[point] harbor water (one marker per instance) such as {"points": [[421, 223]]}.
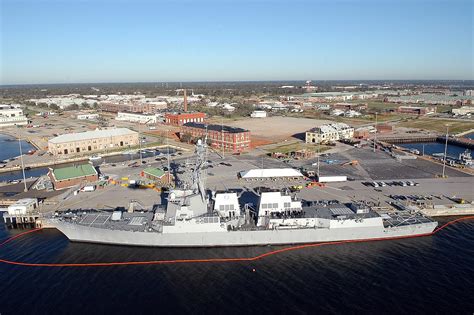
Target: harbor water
{"points": [[434, 147], [424, 275]]}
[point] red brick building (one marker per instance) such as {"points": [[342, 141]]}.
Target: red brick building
{"points": [[179, 119], [349, 106], [73, 175], [225, 138]]}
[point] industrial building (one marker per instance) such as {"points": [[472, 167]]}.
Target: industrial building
{"points": [[416, 110], [329, 133], [350, 106], [464, 110], [133, 107], [179, 119], [73, 175], [258, 114], [87, 116], [92, 141], [225, 138], [12, 115], [23, 206], [137, 117]]}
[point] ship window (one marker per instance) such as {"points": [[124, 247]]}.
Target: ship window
{"points": [[221, 207], [264, 206], [231, 207], [275, 205], [227, 207], [286, 204]]}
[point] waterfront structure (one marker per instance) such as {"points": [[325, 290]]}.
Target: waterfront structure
{"points": [[416, 110], [23, 206], [226, 138], [70, 176], [12, 115], [464, 110], [270, 173], [138, 117], [329, 132], [258, 114], [179, 119], [157, 175], [92, 141]]}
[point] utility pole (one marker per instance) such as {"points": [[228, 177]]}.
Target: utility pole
{"points": [[445, 150], [169, 170], [140, 143], [375, 135], [22, 165], [222, 137], [318, 160]]}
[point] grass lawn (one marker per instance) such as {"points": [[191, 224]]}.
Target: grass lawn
{"points": [[438, 125]]}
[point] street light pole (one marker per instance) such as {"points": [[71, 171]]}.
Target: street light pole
{"points": [[22, 166], [445, 150], [375, 135]]}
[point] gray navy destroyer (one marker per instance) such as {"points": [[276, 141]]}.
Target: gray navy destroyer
{"points": [[195, 217]]}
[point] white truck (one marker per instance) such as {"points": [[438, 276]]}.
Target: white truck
{"points": [[89, 188], [332, 179]]}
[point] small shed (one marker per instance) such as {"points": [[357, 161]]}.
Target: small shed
{"points": [[155, 174]]}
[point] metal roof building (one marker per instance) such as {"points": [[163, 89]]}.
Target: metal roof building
{"points": [[92, 141], [95, 134], [72, 175]]}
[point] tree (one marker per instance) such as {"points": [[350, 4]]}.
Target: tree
{"points": [[54, 106], [73, 107], [185, 137]]}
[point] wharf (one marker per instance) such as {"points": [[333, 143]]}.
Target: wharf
{"points": [[461, 142], [28, 220], [458, 141], [449, 210]]}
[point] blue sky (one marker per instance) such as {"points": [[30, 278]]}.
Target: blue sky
{"points": [[144, 41]]}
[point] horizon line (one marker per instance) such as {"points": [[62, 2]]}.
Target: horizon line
{"points": [[237, 81]]}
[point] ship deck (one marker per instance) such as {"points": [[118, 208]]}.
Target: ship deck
{"points": [[136, 221]]}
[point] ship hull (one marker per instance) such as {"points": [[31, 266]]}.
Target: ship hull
{"points": [[80, 233]]}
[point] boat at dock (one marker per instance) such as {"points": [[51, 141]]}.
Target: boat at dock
{"points": [[196, 217]]}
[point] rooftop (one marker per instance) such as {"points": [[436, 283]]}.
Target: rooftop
{"points": [[104, 133], [270, 173], [153, 171], [74, 171], [219, 128]]}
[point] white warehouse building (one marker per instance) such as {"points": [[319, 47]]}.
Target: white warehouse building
{"points": [[139, 118], [258, 114], [329, 132], [12, 115]]}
